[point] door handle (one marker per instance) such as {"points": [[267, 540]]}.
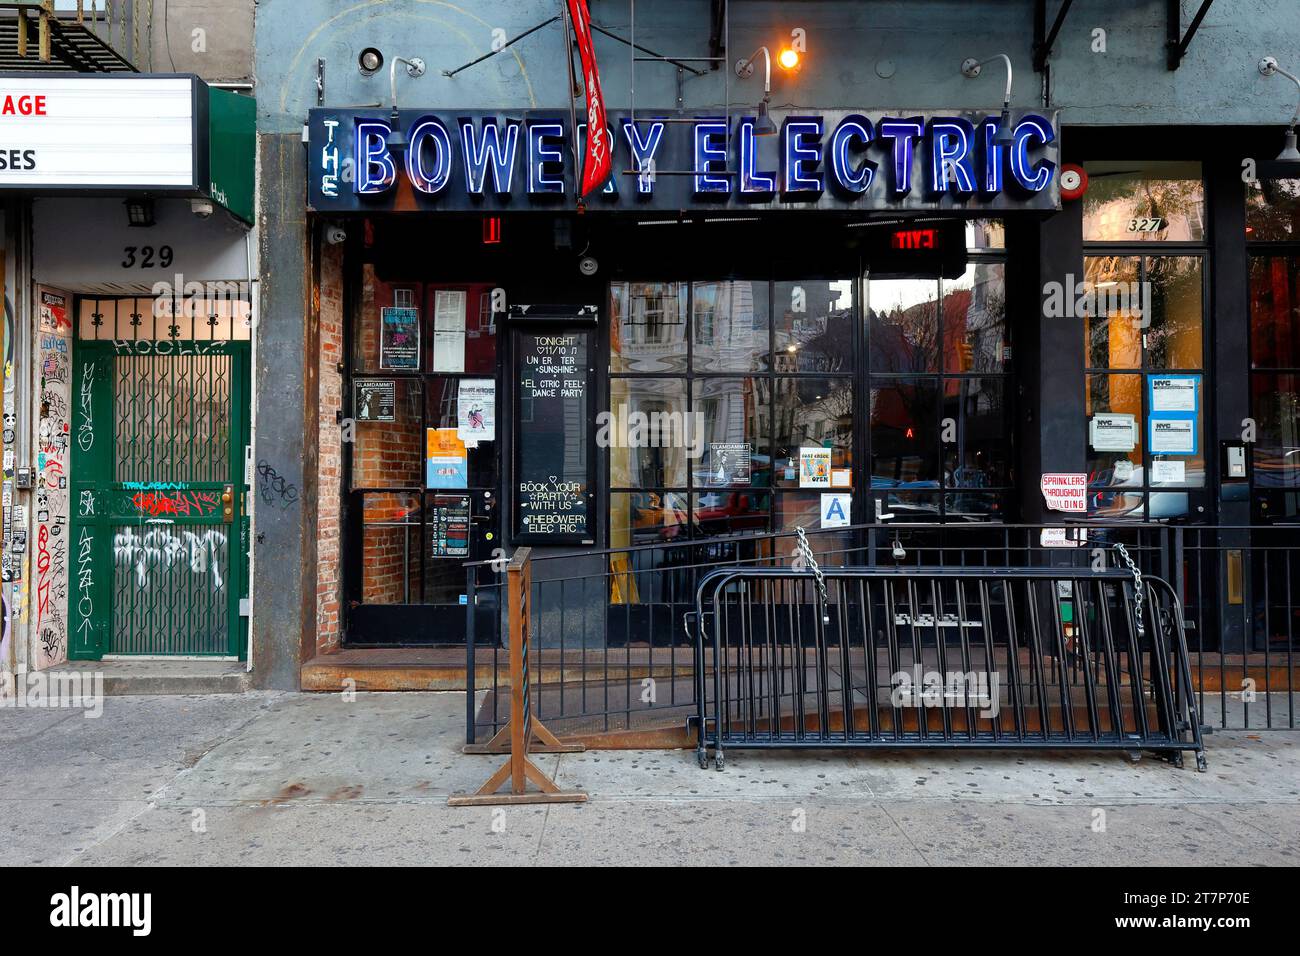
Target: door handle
{"points": [[228, 504], [880, 508]]}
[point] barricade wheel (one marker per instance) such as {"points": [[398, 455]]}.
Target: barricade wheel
{"points": [[718, 761], [703, 757]]}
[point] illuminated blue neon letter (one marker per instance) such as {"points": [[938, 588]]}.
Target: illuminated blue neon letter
{"points": [[1033, 178], [853, 133], [992, 179], [495, 150], [707, 153], [752, 181], [375, 170], [643, 153], [429, 131], [952, 140], [903, 132], [801, 153], [541, 152]]}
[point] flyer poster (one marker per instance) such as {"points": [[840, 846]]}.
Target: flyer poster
{"points": [[476, 410], [446, 459], [814, 467], [399, 338], [375, 399]]}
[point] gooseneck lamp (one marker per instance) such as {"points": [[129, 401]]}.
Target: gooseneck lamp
{"points": [[1268, 66], [971, 68], [396, 140]]}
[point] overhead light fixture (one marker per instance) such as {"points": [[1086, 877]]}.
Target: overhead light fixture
{"points": [[971, 68], [139, 212], [396, 140], [745, 68], [1268, 66], [370, 61]]}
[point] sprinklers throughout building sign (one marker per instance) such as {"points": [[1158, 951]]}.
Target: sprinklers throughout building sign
{"points": [[663, 160]]}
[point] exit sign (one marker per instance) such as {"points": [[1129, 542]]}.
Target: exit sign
{"points": [[908, 239]]}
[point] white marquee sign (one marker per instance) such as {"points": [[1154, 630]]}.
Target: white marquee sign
{"points": [[98, 132]]}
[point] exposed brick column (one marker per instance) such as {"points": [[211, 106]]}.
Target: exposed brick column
{"points": [[330, 456]]}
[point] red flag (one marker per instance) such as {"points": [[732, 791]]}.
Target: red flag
{"points": [[596, 162]]}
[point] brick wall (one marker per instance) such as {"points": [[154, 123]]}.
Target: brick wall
{"points": [[330, 456]]}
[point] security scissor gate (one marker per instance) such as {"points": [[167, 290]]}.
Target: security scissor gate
{"points": [[1017, 658]]}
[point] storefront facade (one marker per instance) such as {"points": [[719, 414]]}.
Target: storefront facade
{"points": [[129, 286], [873, 315]]}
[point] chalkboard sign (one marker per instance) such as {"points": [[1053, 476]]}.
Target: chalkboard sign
{"points": [[553, 420]]}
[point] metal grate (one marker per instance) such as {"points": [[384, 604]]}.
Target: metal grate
{"points": [[172, 417], [170, 588]]}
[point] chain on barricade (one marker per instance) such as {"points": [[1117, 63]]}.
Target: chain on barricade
{"points": [[1138, 589], [806, 555]]}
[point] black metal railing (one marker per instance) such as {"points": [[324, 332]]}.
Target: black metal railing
{"points": [[613, 647], [1005, 658]]}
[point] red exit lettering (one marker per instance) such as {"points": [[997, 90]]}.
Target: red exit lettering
{"points": [[23, 106], [914, 239]]}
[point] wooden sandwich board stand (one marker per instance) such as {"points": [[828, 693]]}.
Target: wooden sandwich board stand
{"points": [[522, 733]]}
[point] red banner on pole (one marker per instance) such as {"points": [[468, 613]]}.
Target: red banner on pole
{"points": [[596, 159]]}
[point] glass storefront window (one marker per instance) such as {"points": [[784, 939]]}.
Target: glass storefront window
{"points": [[904, 438], [980, 455], [651, 412], [810, 412], [903, 324], [724, 511], [733, 449], [974, 311], [1274, 310], [813, 325], [1113, 328], [985, 234], [1120, 394], [647, 325], [650, 517], [1273, 210], [1144, 202], [1176, 287], [391, 454], [1275, 406], [730, 326], [390, 533]]}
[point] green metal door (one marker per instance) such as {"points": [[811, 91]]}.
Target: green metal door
{"points": [[160, 537]]}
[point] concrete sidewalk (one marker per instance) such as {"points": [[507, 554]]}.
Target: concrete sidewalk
{"points": [[282, 779]]}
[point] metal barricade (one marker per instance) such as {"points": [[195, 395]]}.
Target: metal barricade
{"points": [[973, 658]]}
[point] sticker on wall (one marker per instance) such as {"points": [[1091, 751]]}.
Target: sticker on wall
{"points": [[1123, 470], [836, 508], [1112, 432], [54, 312], [1065, 491], [374, 399], [729, 463], [814, 467], [446, 464], [476, 410], [399, 338]]}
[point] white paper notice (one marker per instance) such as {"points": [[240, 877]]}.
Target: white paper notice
{"points": [[1066, 491], [1063, 537], [1172, 472], [476, 411], [1174, 394], [1112, 432], [1173, 436]]}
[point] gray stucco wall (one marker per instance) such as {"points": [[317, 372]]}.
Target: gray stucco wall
{"points": [[850, 43]]}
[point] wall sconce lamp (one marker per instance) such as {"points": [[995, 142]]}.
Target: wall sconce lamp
{"points": [[971, 67], [396, 140], [787, 59], [139, 212], [1268, 66]]}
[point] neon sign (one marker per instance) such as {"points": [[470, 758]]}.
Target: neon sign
{"points": [[840, 159]]}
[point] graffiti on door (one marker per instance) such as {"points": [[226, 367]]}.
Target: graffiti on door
{"points": [[161, 549]]}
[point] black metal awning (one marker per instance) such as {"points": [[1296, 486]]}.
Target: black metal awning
{"points": [[73, 47]]}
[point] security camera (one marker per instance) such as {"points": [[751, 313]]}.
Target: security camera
{"points": [[335, 235], [202, 208]]}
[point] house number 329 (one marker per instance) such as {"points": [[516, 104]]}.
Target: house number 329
{"points": [[146, 257]]}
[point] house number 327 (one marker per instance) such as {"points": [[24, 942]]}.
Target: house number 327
{"points": [[146, 257]]}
